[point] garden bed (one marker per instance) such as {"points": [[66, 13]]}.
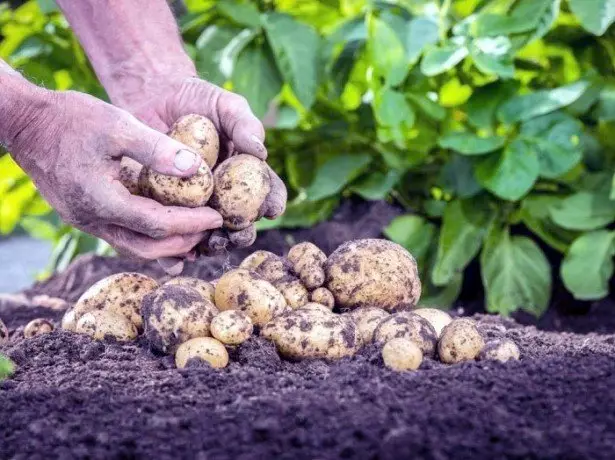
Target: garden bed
{"points": [[75, 398]]}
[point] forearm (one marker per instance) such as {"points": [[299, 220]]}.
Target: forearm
{"points": [[129, 43]]}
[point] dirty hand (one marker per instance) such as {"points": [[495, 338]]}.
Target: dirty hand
{"points": [[71, 145]]}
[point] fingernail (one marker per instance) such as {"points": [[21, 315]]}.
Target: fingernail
{"points": [[258, 142], [185, 159]]}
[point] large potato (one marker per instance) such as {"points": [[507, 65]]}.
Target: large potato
{"points": [[198, 133], [367, 320], [232, 327], [243, 290], [268, 265], [308, 262], [409, 326], [4, 333], [205, 349], [460, 341], [437, 318], [373, 273], [174, 314], [241, 185], [204, 288], [121, 293], [69, 322], [104, 325]]}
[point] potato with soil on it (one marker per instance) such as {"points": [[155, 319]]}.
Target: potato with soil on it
{"points": [[402, 355], [199, 134], [460, 341], [174, 314], [373, 273], [268, 266], [241, 187], [36, 327], [437, 318], [323, 296], [243, 290], [203, 349], [69, 322], [308, 263], [204, 288], [4, 333], [130, 170], [500, 350], [294, 292], [367, 320], [121, 294], [232, 327], [409, 326], [105, 325]]}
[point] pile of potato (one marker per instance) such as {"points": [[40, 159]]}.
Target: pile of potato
{"points": [[309, 305]]}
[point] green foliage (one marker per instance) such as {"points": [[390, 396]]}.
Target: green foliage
{"points": [[484, 119], [6, 367]]}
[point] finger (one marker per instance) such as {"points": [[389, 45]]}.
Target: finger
{"points": [[173, 266], [275, 203], [241, 125], [243, 238]]}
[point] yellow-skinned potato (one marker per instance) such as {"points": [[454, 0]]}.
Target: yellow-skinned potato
{"points": [[232, 327], [460, 341], [308, 262], [367, 320], [174, 314], [130, 170], [439, 319], [204, 349], [243, 290], [242, 184], [294, 292], [402, 355], [4, 333], [37, 326], [323, 296], [69, 322], [198, 133], [121, 293], [204, 288], [373, 273], [104, 325], [409, 326], [313, 306], [267, 265], [500, 350]]}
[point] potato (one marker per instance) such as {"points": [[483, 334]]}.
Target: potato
{"points": [[174, 314], [460, 341], [402, 355], [409, 326], [130, 170], [500, 350], [308, 263], [198, 133], [242, 184], [268, 265], [121, 293], [69, 322], [373, 273], [437, 318], [323, 296], [4, 333], [294, 292], [232, 327], [204, 288], [37, 326], [243, 290], [201, 349], [313, 306], [367, 320], [104, 325]]}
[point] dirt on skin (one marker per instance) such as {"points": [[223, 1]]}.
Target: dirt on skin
{"points": [[76, 398]]}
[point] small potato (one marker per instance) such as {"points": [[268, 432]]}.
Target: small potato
{"points": [[268, 266], [243, 290], [294, 292], [69, 322], [323, 296], [308, 262], [37, 326], [241, 186], [174, 314], [121, 293], [409, 326], [437, 318], [4, 333], [402, 355], [367, 320], [313, 306], [204, 288], [460, 341], [231, 327], [105, 325], [500, 350], [200, 134], [129, 174], [204, 349]]}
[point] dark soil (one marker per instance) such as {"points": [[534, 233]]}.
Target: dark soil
{"points": [[75, 398]]}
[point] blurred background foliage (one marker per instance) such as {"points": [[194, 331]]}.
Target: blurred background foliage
{"points": [[491, 122]]}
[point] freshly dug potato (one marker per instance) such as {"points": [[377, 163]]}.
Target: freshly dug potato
{"points": [[232, 327], [129, 174], [294, 292], [4, 333], [173, 314], [198, 133], [323, 296], [317, 307], [460, 341], [242, 184], [105, 325], [204, 349], [500, 350], [268, 266], [373, 273], [437, 318], [202, 287], [37, 326], [308, 262], [367, 320], [121, 293], [402, 355], [243, 290], [409, 326], [69, 322]]}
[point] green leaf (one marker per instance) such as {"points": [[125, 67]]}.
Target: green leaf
{"points": [[394, 113], [483, 104], [244, 14], [257, 78], [440, 296], [535, 215], [7, 368], [210, 46], [427, 106], [524, 107], [457, 177], [585, 210], [336, 173], [516, 274], [229, 53], [413, 233], [295, 47], [386, 52], [471, 144], [588, 265], [438, 60], [491, 56], [376, 185], [463, 228], [422, 32], [300, 169], [38, 228], [301, 214], [511, 173], [524, 17], [454, 93], [595, 16]]}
